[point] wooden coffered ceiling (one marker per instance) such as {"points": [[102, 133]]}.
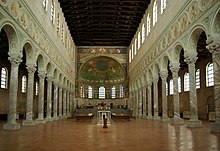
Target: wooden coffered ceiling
{"points": [[103, 22]]}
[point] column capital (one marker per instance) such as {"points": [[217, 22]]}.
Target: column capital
{"points": [[144, 86], [59, 83], [60, 86], [15, 60], [190, 58], [213, 43], [49, 78], [149, 83], [31, 68], [174, 67], [139, 90], [56, 83], [163, 74], [41, 75], [155, 79], [64, 89]]}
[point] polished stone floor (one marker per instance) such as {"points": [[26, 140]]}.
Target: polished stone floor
{"points": [[137, 135]]}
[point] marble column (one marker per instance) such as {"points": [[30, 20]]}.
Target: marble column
{"points": [[140, 103], [64, 103], [60, 101], [133, 103], [55, 101], [71, 104], [213, 42], [136, 103], [40, 118], [12, 104], [174, 67], [163, 75], [149, 100], [144, 102], [67, 103], [49, 101], [156, 106], [29, 108], [190, 59]]}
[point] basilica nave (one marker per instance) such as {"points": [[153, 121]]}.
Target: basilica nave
{"points": [[155, 61]]}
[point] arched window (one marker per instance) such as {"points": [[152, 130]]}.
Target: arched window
{"points": [[36, 88], [4, 78], [166, 88], [113, 92], [135, 46], [209, 75], [58, 23], [23, 84], [44, 4], [143, 33], [52, 11], [155, 13], [179, 84], [90, 92], [130, 55], [186, 81], [171, 86], [132, 51], [121, 91], [148, 24], [62, 33], [102, 92], [82, 91], [139, 40], [163, 5], [197, 78]]}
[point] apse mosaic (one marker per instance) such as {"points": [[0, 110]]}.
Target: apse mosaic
{"points": [[102, 70]]}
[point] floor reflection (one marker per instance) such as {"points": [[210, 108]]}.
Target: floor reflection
{"points": [[137, 135]]}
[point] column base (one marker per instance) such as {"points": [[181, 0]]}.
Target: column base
{"points": [[62, 117], [49, 119], [140, 116], [149, 117], [144, 116], [165, 119], [194, 123], [157, 118], [55, 118], [69, 116], [40, 121], [177, 121], [28, 122], [9, 126], [215, 127]]}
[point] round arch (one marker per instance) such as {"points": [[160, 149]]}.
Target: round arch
{"points": [[40, 62], [13, 39], [28, 48], [175, 55], [49, 69], [193, 38]]}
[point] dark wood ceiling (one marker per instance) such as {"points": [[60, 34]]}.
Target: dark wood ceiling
{"points": [[103, 22]]}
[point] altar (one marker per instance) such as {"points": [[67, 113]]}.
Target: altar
{"points": [[103, 114]]}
